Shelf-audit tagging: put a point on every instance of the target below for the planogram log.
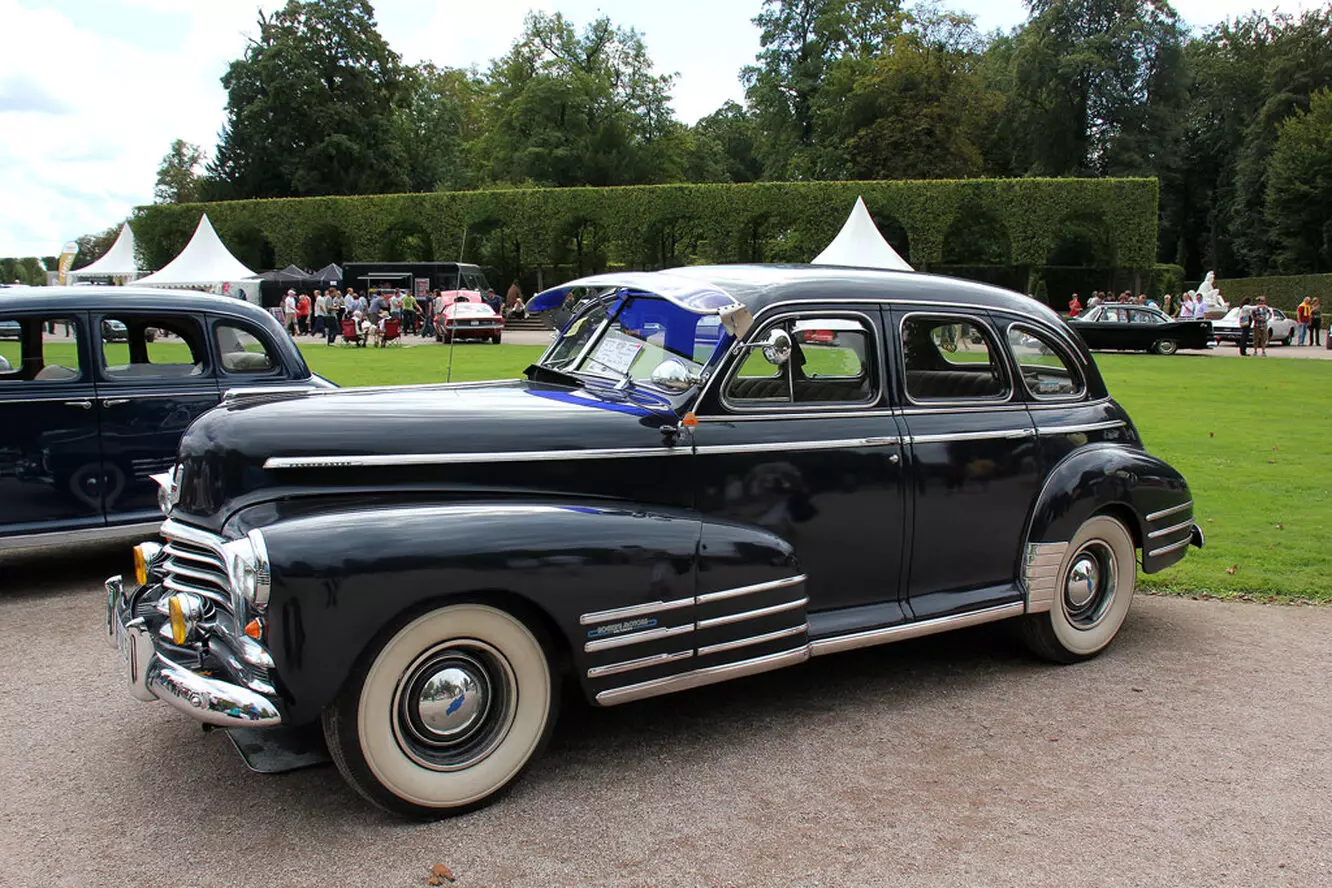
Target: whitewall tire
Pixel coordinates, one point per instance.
(446, 714)
(1093, 594)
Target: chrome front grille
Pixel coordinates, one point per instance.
(191, 567)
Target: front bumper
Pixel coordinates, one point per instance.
(153, 676)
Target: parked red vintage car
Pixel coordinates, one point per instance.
(469, 318)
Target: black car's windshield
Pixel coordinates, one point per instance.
(626, 338)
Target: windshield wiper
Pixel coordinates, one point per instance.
(542, 373)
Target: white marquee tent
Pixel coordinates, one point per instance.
(860, 245)
(118, 262)
(205, 262)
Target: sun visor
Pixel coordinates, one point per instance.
(687, 293)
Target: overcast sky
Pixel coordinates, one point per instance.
(92, 92)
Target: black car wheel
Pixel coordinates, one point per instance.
(1290, 338)
(446, 714)
(1165, 347)
(1093, 594)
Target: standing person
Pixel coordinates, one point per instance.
(303, 313)
(333, 326)
(320, 313)
(1246, 326)
(1200, 309)
(427, 307)
(1074, 306)
(378, 305)
(408, 312)
(438, 309)
(1302, 314)
(1262, 315)
(1315, 320)
(1185, 307)
(289, 313)
(395, 307)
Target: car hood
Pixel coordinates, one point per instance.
(287, 440)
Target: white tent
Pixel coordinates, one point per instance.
(860, 245)
(203, 262)
(118, 262)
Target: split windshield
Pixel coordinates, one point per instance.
(622, 337)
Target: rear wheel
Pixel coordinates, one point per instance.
(1093, 594)
(446, 714)
(1165, 346)
(1290, 337)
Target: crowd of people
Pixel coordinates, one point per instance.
(1075, 306)
(378, 315)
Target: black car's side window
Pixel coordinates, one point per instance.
(830, 362)
(39, 349)
(137, 346)
(1047, 370)
(241, 351)
(951, 359)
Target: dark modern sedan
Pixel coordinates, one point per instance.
(1140, 328)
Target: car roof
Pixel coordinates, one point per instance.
(127, 298)
(759, 286)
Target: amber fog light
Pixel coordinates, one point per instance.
(183, 610)
(144, 554)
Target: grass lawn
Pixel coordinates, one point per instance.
(1253, 437)
(411, 364)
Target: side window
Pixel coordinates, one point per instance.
(951, 359)
(241, 351)
(831, 362)
(38, 350)
(1047, 371)
(137, 347)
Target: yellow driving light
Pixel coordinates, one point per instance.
(144, 553)
(183, 612)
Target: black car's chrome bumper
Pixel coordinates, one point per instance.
(153, 676)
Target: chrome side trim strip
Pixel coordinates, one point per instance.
(845, 414)
(56, 538)
(870, 637)
(1174, 528)
(1170, 511)
(753, 639)
(1082, 427)
(705, 676)
(791, 446)
(602, 644)
(451, 459)
(634, 610)
(1170, 548)
(640, 663)
(1006, 434)
(1040, 573)
(752, 615)
(749, 590)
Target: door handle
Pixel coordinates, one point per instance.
(85, 405)
(114, 402)
(894, 459)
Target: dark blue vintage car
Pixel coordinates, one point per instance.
(97, 384)
(711, 473)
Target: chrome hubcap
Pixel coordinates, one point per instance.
(454, 705)
(1089, 587)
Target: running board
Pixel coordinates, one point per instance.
(726, 671)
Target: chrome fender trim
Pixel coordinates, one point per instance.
(888, 634)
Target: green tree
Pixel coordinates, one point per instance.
(435, 125)
(178, 176)
(1299, 189)
(729, 136)
(311, 106)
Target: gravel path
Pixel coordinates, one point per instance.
(1194, 753)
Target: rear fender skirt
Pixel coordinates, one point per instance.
(1114, 478)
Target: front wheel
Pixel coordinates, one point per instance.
(1093, 594)
(1165, 346)
(1290, 337)
(446, 714)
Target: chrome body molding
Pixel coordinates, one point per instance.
(1170, 548)
(1173, 510)
(1167, 531)
(232, 395)
(738, 591)
(1074, 428)
(634, 610)
(888, 634)
(1005, 434)
(727, 619)
(615, 641)
(795, 446)
(59, 538)
(752, 640)
(1040, 574)
(700, 677)
(453, 459)
(640, 663)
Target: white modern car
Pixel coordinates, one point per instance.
(1227, 329)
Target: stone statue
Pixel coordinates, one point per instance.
(1211, 296)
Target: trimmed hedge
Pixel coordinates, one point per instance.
(1283, 291)
(661, 225)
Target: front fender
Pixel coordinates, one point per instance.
(1111, 477)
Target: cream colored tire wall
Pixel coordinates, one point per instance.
(1053, 635)
(359, 725)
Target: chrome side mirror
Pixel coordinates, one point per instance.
(777, 349)
(673, 376)
(736, 319)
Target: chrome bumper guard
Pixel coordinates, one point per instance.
(155, 677)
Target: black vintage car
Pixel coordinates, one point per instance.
(711, 473)
(97, 384)
(1124, 327)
